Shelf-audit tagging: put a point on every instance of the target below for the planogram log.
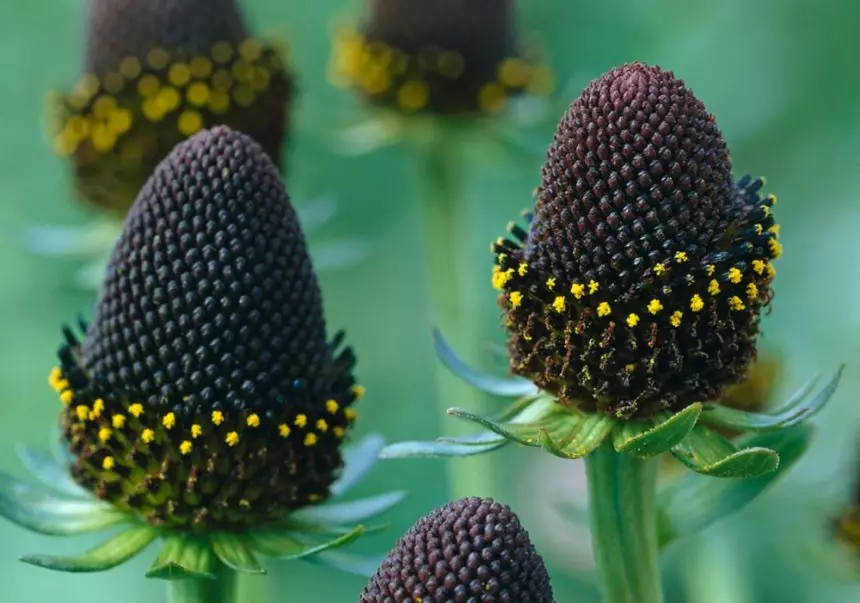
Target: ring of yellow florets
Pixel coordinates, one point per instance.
(122, 123)
(630, 354)
(434, 80)
(223, 469)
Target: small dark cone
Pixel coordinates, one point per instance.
(205, 394)
(472, 550)
(157, 72)
(438, 56)
(640, 283)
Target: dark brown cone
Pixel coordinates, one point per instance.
(157, 72)
(640, 283)
(438, 56)
(469, 551)
(205, 394)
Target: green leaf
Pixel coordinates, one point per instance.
(645, 439)
(39, 511)
(490, 424)
(288, 546)
(183, 557)
(476, 439)
(793, 412)
(235, 553)
(499, 386)
(111, 553)
(439, 449)
(351, 563)
(50, 472)
(707, 452)
(349, 512)
(583, 438)
(694, 502)
(359, 459)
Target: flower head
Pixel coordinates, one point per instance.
(156, 72)
(205, 393)
(663, 265)
(437, 56)
(469, 550)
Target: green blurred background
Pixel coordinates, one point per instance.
(782, 78)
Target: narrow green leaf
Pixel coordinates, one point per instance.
(39, 511)
(582, 439)
(50, 472)
(439, 449)
(476, 439)
(499, 386)
(111, 553)
(795, 411)
(490, 424)
(694, 502)
(351, 512)
(183, 557)
(351, 563)
(645, 439)
(707, 452)
(359, 459)
(291, 545)
(235, 553)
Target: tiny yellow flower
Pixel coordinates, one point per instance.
(523, 269)
(632, 320)
(710, 269)
(516, 299)
(735, 275)
(659, 269)
(696, 304)
(104, 434)
(147, 436)
(655, 306)
(331, 406)
(253, 420)
(558, 304)
(358, 391)
(82, 411)
(338, 432)
(550, 283)
(577, 290)
(681, 257)
(752, 292)
(217, 417)
(108, 463)
(185, 447)
(284, 430)
(169, 420)
(604, 309)
(196, 431)
(758, 266)
(675, 319)
(501, 277)
(118, 421)
(322, 426)
(311, 439)
(135, 410)
(736, 304)
(66, 397)
(350, 414)
(301, 420)
(232, 439)
(714, 287)
(593, 287)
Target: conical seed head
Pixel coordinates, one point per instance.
(442, 57)
(472, 549)
(156, 73)
(206, 371)
(641, 280)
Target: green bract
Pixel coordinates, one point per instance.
(59, 507)
(537, 419)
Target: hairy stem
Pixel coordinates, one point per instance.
(623, 526)
(447, 256)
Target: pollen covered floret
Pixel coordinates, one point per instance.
(471, 550)
(205, 393)
(438, 56)
(156, 73)
(640, 282)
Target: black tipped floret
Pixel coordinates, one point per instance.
(438, 56)
(645, 270)
(472, 550)
(206, 369)
(157, 72)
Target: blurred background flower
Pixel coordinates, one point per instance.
(778, 73)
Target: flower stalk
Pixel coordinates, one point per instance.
(226, 587)
(443, 207)
(623, 525)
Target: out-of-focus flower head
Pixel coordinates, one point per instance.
(156, 72)
(438, 56)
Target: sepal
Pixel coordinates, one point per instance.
(798, 408)
(583, 438)
(50, 472)
(290, 545)
(183, 557)
(39, 511)
(694, 502)
(707, 452)
(352, 512)
(358, 460)
(111, 553)
(351, 563)
(234, 552)
(650, 438)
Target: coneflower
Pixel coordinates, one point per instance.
(438, 56)
(469, 550)
(633, 299)
(155, 73)
(205, 402)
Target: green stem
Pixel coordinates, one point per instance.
(448, 267)
(623, 526)
(714, 572)
(228, 587)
